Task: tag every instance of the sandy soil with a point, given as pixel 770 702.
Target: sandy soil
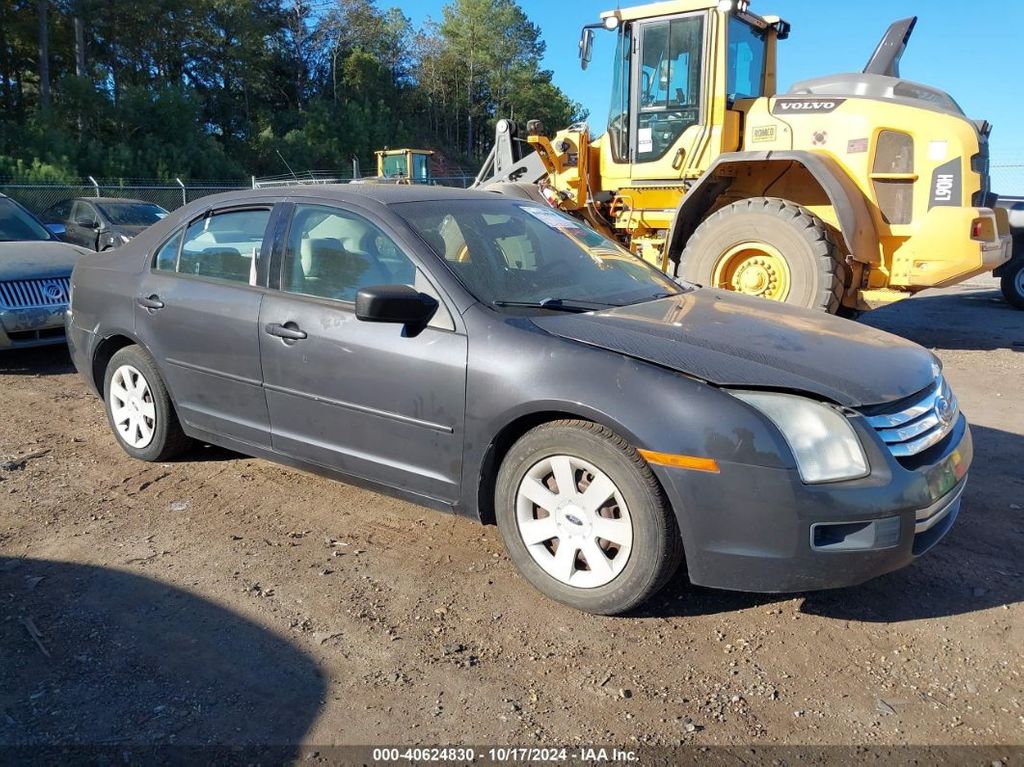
pixel 226 599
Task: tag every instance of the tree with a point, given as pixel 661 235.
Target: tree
pixel 207 88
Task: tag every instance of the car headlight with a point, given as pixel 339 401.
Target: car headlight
pixel 823 442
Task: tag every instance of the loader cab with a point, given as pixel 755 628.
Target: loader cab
pixel 679 70
pixel 406 165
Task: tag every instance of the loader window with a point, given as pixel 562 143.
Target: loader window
pixel 618 112
pixel 745 65
pixel 669 80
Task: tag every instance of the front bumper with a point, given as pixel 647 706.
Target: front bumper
pixel 24 328
pixel 758 529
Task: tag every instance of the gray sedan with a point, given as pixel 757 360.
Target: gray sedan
pixel 491 357
pixel 35 275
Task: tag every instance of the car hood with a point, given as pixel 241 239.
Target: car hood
pixel 31 260
pixel 738 341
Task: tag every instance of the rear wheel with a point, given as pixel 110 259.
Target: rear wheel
pixel 139 410
pixel 1012 283
pixel 584 519
pixel 769 248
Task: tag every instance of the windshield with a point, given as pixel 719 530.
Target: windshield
pixel 132 213
pixel 515 252
pixel 745 65
pixel 17 224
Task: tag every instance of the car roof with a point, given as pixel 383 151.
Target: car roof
pixel 110 199
pixel 385 194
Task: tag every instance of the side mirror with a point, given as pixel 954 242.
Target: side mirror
pixel 586 47
pixel 394 303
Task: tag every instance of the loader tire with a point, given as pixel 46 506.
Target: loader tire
pixel 767 247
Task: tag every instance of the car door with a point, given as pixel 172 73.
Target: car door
pixel 369 399
pixel 197 310
pixel 81 228
pixel 668 122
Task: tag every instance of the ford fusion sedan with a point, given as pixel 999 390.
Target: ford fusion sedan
pixel 489 356
pixel 100 223
pixel 35 275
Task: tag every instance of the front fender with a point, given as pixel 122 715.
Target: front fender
pixel 651 407
pixel 855 223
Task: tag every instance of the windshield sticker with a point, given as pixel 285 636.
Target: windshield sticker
pixel 551 218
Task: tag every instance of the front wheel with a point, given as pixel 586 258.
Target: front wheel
pixel 1012 283
pixel 769 248
pixel 139 410
pixel 584 519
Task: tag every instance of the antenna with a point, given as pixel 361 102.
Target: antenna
pixel 289 167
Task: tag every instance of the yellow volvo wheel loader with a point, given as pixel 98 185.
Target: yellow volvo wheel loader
pixel 845 194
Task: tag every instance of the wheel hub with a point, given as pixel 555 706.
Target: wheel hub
pixel 573 522
pixel 756 269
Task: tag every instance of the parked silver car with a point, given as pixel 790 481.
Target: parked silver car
pixel 35 279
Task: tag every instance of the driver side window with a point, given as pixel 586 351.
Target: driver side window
pixel 670 84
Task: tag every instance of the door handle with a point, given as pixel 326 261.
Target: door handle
pixel 289 331
pixel 677 161
pixel 152 303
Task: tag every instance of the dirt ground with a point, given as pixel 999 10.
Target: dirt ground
pixel 222 599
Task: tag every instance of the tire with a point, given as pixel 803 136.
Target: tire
pixel 634 513
pixel 139 410
pixel 800 263
pixel 1011 282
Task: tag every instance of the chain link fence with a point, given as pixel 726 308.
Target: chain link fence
pixel 39 197
pixel 1008 179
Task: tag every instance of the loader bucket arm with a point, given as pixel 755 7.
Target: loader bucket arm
pixel 886 58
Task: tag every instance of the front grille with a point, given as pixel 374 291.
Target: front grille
pixel 35 294
pixel 916 427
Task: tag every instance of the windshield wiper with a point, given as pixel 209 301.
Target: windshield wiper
pixel 557 304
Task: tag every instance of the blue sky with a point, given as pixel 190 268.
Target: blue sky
pixel 973 53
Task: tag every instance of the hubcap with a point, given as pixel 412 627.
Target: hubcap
pixel 574 521
pixel 131 407
pixel 1019 282
pixel 754 268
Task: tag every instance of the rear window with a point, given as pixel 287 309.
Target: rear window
pixel 223 246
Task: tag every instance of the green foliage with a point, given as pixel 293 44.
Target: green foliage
pixel 211 89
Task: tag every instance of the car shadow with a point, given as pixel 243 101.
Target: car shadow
pixel 38 360
pixel 203 452
pixel 94 656
pixel 975 567
pixel 954 319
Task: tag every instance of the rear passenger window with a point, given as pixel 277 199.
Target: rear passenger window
pixel 223 246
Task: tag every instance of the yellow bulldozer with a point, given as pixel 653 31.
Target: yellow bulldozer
pixel 847 193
